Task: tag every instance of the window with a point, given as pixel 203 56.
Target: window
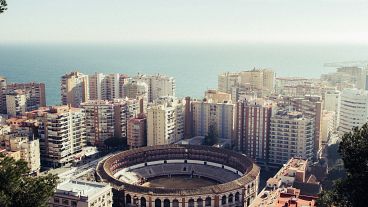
pixel 56 200
pixel 65 202
pixel 74 203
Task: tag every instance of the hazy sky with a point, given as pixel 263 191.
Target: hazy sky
pixel 308 21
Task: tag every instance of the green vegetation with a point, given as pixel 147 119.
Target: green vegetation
pixel 212 136
pixel 351 189
pixel 18 189
pixel 3 6
pixel 115 143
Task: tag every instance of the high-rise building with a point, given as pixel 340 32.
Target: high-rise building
pixel 261 80
pixel 165 121
pixel 353 110
pixel 311 107
pixel 226 81
pixel 135 89
pixel 62 134
pixel 3 84
pixel 208 113
pixel 74 89
pixel 35 94
pixel 36 91
pixel 106 119
pixel 252 127
pixel 158 85
pixel 137 131
pixel 327 127
pixel 16 102
pixel 331 102
pixel 292 135
pixel 106 87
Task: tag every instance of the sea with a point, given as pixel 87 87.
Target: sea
pixel 194 66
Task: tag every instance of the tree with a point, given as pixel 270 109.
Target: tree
pixel 3 6
pixel 115 142
pixel 352 190
pixel 212 136
pixel 18 189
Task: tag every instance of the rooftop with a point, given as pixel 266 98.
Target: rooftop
pixel 80 188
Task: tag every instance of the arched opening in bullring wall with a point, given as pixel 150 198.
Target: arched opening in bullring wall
pixel 237 196
pixel 166 203
pixel 143 202
pixel 231 198
pixel 157 202
pixel 208 201
pixel 191 203
pixel 223 200
pixel 128 199
pixel 200 202
pixel 175 203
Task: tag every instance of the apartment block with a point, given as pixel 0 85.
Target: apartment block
pixel 207 113
pixel 35 94
pixel 252 127
pixel 106 119
pixel 106 87
pixel 137 131
pixel 158 85
pixel 292 135
pixel 74 89
pixel 16 102
pixel 29 148
pixel 353 110
pixel 165 121
pixel 62 134
pixel 332 102
pixel 227 81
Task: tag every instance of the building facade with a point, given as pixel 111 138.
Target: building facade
pixel 165 121
pixel 137 131
pixel 74 89
pixel 106 119
pixel 207 113
pixel 62 134
pixel 353 110
pixel 292 135
pixel 80 193
pixel 252 129
pixel 158 85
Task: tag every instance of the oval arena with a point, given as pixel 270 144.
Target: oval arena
pixel 180 176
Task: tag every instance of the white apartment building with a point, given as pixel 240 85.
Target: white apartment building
pixel 74 89
pixel 80 193
pixel 353 110
pixel 327 126
pixel 106 87
pixel 291 136
pixel 158 85
pixel 207 113
pixel 16 103
pixel 332 101
pixel 62 133
pixel 165 121
pixel 106 119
